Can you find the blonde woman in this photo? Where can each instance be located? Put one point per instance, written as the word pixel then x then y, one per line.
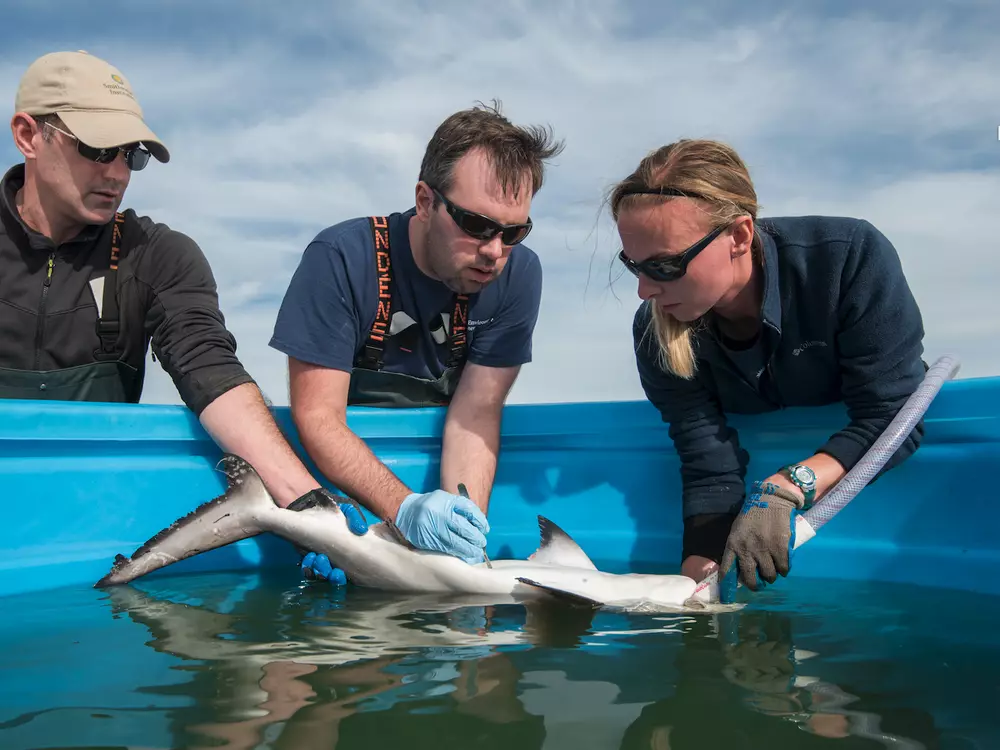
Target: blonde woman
pixel 745 316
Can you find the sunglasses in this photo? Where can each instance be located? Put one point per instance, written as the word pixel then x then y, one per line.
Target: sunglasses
pixel 672 267
pixel 136 157
pixel 483 227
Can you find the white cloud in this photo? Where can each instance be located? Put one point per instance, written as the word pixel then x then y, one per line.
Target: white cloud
pixel 309 118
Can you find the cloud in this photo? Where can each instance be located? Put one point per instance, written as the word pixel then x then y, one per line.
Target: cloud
pixel 283 123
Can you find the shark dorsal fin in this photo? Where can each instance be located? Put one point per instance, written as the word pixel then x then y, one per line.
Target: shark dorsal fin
pixel 557 548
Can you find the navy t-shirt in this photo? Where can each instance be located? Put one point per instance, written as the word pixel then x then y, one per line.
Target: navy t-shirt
pixel 330 305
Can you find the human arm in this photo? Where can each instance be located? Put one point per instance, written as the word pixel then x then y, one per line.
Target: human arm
pixel 499 347
pixel 189 337
pixel 327 309
pixel 712 462
pixel 318 398
pixel 240 422
pixel 328 304
pixel 471 441
pixel 879 340
pixel 436 520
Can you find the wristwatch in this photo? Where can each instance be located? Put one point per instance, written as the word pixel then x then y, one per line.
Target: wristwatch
pixel 802 477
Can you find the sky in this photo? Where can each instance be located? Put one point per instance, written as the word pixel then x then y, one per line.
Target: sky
pixel 282 120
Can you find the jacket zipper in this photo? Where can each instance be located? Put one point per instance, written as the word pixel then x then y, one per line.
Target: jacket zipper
pixel 766 390
pixel 759 389
pixel 40 329
pixel 770 376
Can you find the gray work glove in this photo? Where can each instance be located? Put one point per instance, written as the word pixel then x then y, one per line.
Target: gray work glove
pixel 761 540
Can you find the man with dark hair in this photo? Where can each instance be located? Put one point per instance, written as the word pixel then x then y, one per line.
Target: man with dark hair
pixel 434 306
pixel 85 289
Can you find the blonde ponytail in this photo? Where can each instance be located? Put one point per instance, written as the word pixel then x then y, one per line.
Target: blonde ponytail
pixel 676 347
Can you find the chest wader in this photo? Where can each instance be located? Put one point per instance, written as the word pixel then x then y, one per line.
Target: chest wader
pixel 370 384
pixel 108 378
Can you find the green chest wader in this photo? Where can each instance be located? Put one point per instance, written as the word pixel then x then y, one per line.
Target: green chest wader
pixel 370 384
pixel 107 379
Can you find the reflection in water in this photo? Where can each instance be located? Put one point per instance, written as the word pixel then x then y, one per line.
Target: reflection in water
pixel 393 659
pixel 244 664
pixel 334 662
pixel 762 660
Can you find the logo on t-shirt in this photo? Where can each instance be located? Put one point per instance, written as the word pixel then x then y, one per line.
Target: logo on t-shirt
pixel 439 330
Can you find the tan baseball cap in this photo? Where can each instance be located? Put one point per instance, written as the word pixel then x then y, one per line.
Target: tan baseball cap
pixel 91 96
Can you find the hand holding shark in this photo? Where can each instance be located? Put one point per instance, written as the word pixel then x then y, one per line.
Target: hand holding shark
pixel 437 521
pixel 443 522
pixel 319 566
pixel 761 541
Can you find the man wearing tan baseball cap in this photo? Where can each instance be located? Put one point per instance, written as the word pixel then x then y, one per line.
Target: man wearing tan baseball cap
pixel 92 98
pixel 86 288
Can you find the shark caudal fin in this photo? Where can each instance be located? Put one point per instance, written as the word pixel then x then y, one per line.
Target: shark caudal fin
pixel 228 518
pixel 557 548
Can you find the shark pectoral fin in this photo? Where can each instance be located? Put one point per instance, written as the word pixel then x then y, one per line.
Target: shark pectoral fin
pixel 569 597
pixel 312 499
pixel 557 548
pixel 318 498
pixel 321 498
pixel 397 534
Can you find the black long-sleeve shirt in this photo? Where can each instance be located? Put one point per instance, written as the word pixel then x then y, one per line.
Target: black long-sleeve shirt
pixel 840 324
pixel 167 298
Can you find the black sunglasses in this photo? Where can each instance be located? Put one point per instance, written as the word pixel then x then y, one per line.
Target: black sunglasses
pixel 672 267
pixel 136 157
pixel 483 227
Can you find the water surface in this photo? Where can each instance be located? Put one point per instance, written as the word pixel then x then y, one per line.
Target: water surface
pixel 249 662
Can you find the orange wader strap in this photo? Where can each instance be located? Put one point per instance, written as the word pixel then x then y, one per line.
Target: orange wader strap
pixel 371 355
pixel 107 322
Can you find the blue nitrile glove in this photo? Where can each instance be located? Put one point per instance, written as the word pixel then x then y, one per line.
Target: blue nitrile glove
pixel 761 540
pixel 443 522
pixel 318 566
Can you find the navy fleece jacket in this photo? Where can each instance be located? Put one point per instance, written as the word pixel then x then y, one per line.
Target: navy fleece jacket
pixel 839 325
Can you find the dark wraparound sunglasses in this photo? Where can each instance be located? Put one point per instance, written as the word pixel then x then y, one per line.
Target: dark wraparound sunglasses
pixel 483 227
pixel 667 267
pixel 671 267
pixel 136 157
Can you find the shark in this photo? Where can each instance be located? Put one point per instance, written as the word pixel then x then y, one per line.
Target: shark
pixel 383 559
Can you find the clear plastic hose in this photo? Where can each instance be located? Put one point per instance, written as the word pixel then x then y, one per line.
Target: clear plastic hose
pixel 886 446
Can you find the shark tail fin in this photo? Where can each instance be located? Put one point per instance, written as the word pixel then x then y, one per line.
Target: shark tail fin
pixel 558 548
pixel 230 517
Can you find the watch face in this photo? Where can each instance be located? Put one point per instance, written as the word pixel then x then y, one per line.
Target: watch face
pixel 804 474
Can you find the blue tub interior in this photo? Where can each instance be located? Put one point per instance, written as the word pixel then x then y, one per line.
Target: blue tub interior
pixel 84 482
pixel 883 635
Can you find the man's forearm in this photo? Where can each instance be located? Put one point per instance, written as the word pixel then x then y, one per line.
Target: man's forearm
pixel 350 465
pixel 240 423
pixel 469 452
